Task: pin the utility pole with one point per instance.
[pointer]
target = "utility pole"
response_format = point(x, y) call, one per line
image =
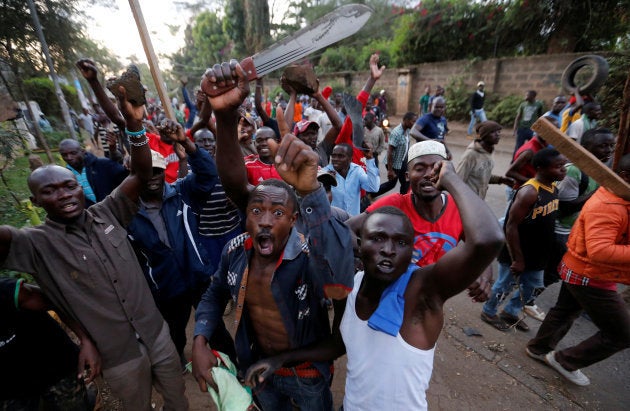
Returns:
point(62, 101)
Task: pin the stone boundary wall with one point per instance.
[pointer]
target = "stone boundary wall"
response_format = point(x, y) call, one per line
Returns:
point(503, 76)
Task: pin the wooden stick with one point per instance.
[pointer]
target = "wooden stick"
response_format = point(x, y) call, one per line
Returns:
point(582, 158)
point(151, 58)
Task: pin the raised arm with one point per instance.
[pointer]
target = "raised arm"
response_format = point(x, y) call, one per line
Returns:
point(461, 266)
point(141, 165)
point(258, 98)
point(288, 114)
point(205, 116)
point(375, 73)
point(229, 156)
point(89, 72)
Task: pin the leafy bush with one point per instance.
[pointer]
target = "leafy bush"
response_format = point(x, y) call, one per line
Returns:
point(42, 90)
point(610, 96)
point(504, 111)
point(336, 59)
point(458, 99)
point(53, 138)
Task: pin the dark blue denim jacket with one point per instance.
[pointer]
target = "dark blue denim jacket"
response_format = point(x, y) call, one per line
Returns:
point(310, 268)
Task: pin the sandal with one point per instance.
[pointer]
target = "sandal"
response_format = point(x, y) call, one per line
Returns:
point(494, 321)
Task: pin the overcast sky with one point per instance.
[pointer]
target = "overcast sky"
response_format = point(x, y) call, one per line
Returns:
point(116, 28)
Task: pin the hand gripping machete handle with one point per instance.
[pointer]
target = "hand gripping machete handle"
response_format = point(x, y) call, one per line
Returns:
point(213, 89)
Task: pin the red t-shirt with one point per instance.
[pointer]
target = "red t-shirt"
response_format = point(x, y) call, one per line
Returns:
point(172, 162)
point(431, 239)
point(258, 171)
point(528, 170)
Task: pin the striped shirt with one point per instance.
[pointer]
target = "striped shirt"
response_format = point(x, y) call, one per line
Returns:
point(218, 215)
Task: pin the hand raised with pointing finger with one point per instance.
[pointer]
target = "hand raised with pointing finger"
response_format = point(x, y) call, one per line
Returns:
point(296, 163)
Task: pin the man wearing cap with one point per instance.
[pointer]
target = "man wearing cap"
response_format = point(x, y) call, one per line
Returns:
point(351, 178)
point(307, 130)
point(246, 131)
point(165, 235)
point(477, 113)
point(475, 166)
point(433, 213)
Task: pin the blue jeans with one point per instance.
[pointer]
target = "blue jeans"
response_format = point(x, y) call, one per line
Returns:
point(282, 393)
point(522, 135)
point(476, 116)
point(502, 288)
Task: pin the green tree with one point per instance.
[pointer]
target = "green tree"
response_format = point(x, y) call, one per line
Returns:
point(247, 24)
point(353, 52)
point(205, 43)
point(41, 89)
point(571, 26)
point(438, 30)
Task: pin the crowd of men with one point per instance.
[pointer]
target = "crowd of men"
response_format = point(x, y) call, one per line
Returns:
point(276, 210)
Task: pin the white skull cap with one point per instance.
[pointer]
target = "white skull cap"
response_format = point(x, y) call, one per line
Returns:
point(425, 148)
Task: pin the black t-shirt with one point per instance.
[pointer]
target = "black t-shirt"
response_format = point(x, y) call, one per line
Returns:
point(35, 352)
point(536, 231)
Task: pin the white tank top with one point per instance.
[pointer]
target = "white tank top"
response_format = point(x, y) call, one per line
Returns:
point(384, 372)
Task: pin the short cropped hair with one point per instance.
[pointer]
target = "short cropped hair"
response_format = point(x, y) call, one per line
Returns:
point(544, 157)
point(272, 182)
point(389, 210)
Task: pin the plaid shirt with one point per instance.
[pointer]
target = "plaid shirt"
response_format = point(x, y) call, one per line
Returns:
point(570, 277)
point(399, 139)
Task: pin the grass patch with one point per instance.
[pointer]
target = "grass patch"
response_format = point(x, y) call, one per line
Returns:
point(15, 176)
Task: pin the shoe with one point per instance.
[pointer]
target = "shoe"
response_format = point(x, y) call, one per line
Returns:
point(576, 377)
point(534, 312)
point(514, 321)
point(494, 321)
point(539, 357)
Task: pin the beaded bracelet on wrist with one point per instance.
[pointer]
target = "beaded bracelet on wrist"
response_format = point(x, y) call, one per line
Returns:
point(136, 133)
